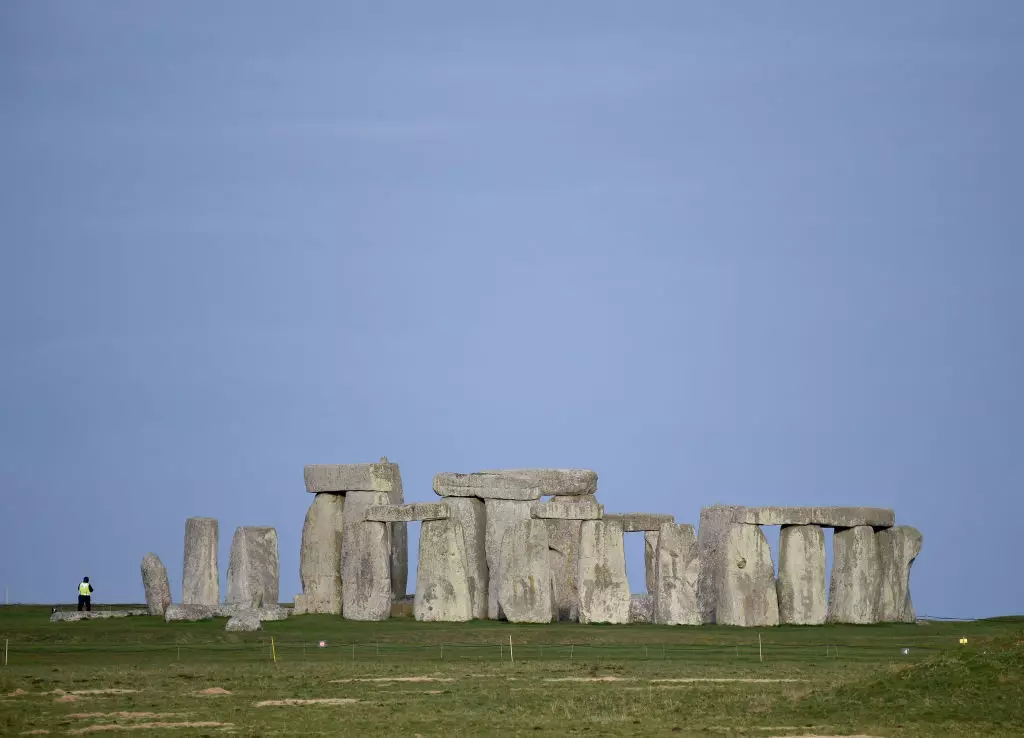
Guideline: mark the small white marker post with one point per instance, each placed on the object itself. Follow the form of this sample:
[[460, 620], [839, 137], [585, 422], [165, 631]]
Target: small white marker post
[[513, 658]]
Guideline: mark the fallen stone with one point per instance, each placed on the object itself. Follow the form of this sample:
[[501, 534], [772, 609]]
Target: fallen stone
[[676, 570], [245, 622], [635, 522], [200, 577], [500, 514], [603, 586], [442, 577], [273, 613], [208, 612], [253, 568], [380, 477], [485, 485], [897, 549], [641, 608], [72, 616], [555, 482], [524, 590], [189, 613], [320, 558], [827, 517], [470, 513], [407, 513], [745, 588], [365, 560], [155, 584], [555, 509], [856, 572], [715, 524], [801, 585]]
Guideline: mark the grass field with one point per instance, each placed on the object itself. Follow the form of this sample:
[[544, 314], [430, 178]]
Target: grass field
[[401, 677]]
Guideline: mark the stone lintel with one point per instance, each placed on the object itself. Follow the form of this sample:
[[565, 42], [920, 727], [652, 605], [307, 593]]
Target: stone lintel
[[634, 522], [407, 513], [826, 517]]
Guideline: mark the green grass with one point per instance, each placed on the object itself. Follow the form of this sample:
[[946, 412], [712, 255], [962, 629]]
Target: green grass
[[831, 680]]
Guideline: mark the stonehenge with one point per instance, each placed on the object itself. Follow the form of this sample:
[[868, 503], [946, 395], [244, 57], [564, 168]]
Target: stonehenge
[[253, 567], [676, 564], [320, 556], [604, 589], [856, 576], [155, 584], [200, 577], [524, 579], [801, 586], [442, 577], [897, 549]]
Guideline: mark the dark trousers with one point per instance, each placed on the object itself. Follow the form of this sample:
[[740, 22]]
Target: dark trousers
[[84, 602]]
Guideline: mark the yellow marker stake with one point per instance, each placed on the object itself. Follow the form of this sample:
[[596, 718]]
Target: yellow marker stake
[[273, 650]]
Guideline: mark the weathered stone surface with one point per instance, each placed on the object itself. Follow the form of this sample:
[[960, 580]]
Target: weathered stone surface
[[300, 605], [399, 532], [603, 586], [650, 560], [71, 616], [253, 569], [635, 522], [557, 482], [442, 576], [245, 622], [500, 514], [856, 572], [365, 560], [380, 477], [155, 584], [407, 513], [188, 612], [555, 509], [200, 578], [676, 569], [320, 559], [641, 608], [801, 585], [827, 517], [897, 549], [207, 612], [745, 587], [524, 589], [486, 486], [564, 564], [715, 523], [470, 513]]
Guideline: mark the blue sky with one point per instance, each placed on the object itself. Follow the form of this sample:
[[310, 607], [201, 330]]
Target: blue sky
[[755, 254]]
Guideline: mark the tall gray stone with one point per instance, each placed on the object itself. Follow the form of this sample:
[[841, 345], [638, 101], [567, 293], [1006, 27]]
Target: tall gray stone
[[366, 588], [897, 549], [200, 576], [320, 559], [745, 586], [469, 512], [650, 558], [603, 586], [715, 524], [500, 515], [564, 564], [442, 576], [253, 568], [676, 569], [801, 585], [856, 573], [155, 584], [524, 579]]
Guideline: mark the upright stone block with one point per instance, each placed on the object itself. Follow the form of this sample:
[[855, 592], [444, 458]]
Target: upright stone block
[[745, 589], [200, 576], [650, 557], [897, 549], [442, 576], [500, 515], [524, 589], [801, 585], [366, 559], [470, 514], [155, 584], [320, 557], [715, 523], [564, 564], [253, 568], [676, 569], [603, 586], [856, 573]]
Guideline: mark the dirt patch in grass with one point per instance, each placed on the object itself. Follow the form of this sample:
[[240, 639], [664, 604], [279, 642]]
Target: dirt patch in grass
[[590, 679], [37, 731], [112, 727], [395, 679], [212, 691], [126, 715], [722, 680], [90, 692], [311, 701], [68, 698]]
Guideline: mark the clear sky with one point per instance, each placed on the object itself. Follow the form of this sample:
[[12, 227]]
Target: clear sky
[[749, 253]]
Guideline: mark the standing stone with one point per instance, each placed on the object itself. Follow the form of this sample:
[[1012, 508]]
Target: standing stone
[[715, 523], [524, 588], [746, 593], [676, 569], [856, 572], [470, 514], [603, 586], [253, 573], [200, 576], [564, 564], [897, 549], [650, 558], [442, 578], [399, 532], [155, 584], [320, 560], [801, 584], [366, 590], [500, 514]]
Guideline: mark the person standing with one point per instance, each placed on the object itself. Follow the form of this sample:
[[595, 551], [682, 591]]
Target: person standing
[[85, 591]]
